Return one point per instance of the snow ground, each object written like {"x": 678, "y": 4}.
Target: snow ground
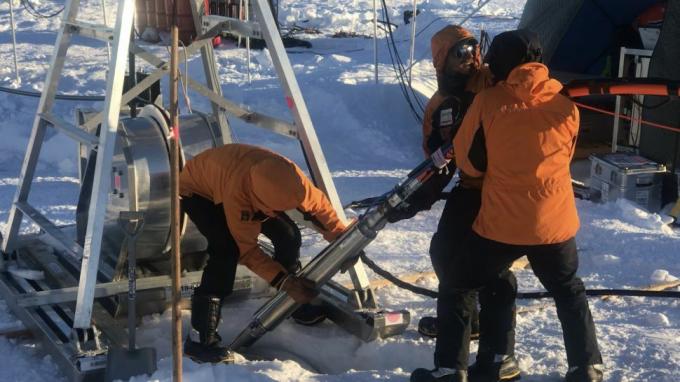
{"x": 370, "y": 140}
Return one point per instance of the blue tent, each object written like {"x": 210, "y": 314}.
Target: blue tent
{"x": 584, "y": 36}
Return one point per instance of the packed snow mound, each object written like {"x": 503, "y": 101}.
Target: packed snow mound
{"x": 26, "y": 362}
{"x": 635, "y": 215}
{"x": 662, "y": 276}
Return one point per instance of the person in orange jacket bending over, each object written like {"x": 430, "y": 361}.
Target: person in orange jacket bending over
{"x": 232, "y": 194}
{"x": 520, "y": 135}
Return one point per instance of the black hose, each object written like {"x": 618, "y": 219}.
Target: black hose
{"x": 607, "y": 292}
{"x": 521, "y": 295}
{"x": 395, "y": 280}
{"x": 409, "y": 94}
{"x": 30, "y": 8}
{"x": 64, "y": 97}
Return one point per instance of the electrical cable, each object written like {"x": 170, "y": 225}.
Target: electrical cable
{"x": 648, "y": 123}
{"x": 402, "y": 84}
{"x": 184, "y": 85}
{"x": 651, "y": 107}
{"x": 399, "y": 68}
{"x": 392, "y": 50}
{"x": 404, "y": 70}
{"x": 63, "y": 97}
{"x": 37, "y": 14}
{"x": 607, "y": 292}
{"x": 395, "y": 280}
{"x": 520, "y": 295}
{"x": 184, "y": 82}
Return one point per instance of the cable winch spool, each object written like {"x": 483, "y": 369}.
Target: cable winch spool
{"x": 140, "y": 182}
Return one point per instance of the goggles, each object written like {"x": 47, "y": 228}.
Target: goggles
{"x": 465, "y": 47}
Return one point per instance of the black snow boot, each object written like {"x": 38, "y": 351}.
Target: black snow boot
{"x": 309, "y": 315}
{"x": 590, "y": 373}
{"x": 439, "y": 375}
{"x": 205, "y": 317}
{"x": 494, "y": 368}
{"x": 427, "y": 326}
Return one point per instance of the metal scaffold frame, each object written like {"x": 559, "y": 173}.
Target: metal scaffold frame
{"x": 118, "y": 37}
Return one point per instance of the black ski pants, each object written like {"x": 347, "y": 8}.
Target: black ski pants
{"x": 449, "y": 248}
{"x": 555, "y": 265}
{"x": 223, "y": 253}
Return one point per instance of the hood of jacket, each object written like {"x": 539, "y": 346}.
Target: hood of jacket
{"x": 532, "y": 83}
{"x": 443, "y": 41}
{"x": 276, "y": 186}
{"x": 511, "y": 49}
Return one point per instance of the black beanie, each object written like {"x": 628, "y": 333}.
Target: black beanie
{"x": 511, "y": 49}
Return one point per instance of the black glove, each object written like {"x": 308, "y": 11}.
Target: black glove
{"x": 421, "y": 200}
{"x": 401, "y": 213}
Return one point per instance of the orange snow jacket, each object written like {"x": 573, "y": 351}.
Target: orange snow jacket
{"x": 521, "y": 135}
{"x": 479, "y": 81}
{"x": 250, "y": 181}
{"x": 436, "y": 104}
{"x": 441, "y": 44}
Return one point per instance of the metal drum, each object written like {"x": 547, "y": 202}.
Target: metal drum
{"x": 140, "y": 181}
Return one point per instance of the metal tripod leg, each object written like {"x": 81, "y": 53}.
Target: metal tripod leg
{"x": 38, "y": 132}
{"x": 210, "y": 69}
{"x": 102, "y": 179}
{"x": 310, "y": 143}
{"x": 211, "y": 77}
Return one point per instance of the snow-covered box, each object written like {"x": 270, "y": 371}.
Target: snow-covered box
{"x": 627, "y": 176}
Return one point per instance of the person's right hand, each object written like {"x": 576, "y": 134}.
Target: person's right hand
{"x": 401, "y": 213}
{"x": 300, "y": 289}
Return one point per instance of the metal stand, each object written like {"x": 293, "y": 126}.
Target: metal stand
{"x": 640, "y": 59}
{"x": 14, "y": 41}
{"x": 79, "y": 337}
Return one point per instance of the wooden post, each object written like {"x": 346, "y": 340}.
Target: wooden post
{"x": 174, "y": 188}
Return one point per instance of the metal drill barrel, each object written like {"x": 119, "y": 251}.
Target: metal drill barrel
{"x": 332, "y": 258}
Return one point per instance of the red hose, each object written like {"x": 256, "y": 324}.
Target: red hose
{"x": 624, "y": 86}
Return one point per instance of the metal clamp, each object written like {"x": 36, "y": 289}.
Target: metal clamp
{"x": 86, "y": 340}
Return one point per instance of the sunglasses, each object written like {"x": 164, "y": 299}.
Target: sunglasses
{"x": 465, "y": 47}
